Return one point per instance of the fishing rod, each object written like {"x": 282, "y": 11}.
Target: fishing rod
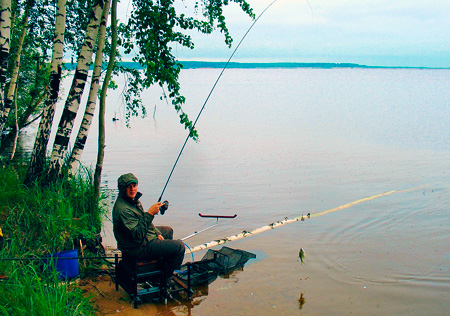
{"x": 166, "y": 204}
{"x": 285, "y": 221}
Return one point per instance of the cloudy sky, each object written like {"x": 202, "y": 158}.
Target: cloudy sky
{"x": 371, "y": 32}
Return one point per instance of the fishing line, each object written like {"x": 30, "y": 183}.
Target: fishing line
{"x": 274, "y": 225}
{"x": 209, "y": 95}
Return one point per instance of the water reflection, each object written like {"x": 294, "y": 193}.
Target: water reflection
{"x": 24, "y": 145}
{"x": 180, "y": 304}
{"x": 301, "y": 300}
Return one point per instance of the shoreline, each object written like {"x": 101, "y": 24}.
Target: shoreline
{"x": 270, "y": 65}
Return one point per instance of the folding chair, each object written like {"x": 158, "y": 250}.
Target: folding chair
{"x": 142, "y": 278}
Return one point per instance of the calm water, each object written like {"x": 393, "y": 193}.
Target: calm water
{"x": 278, "y": 143}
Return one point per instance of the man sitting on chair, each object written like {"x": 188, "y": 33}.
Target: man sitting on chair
{"x": 135, "y": 233}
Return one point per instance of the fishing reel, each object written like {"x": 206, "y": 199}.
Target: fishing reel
{"x": 163, "y": 208}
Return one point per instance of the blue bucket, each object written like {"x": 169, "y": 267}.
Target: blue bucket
{"x": 66, "y": 263}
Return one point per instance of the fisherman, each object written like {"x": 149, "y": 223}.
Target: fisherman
{"x": 134, "y": 231}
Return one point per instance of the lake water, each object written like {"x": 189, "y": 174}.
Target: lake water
{"x": 278, "y": 143}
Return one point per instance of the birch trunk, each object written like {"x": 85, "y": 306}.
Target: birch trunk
{"x": 9, "y": 100}
{"x": 15, "y": 72}
{"x": 101, "y": 115}
{"x": 92, "y": 99}
{"x": 73, "y": 100}
{"x": 45, "y": 125}
{"x": 5, "y": 39}
{"x": 16, "y": 128}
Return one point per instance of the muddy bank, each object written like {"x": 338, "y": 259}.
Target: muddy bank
{"x": 108, "y": 301}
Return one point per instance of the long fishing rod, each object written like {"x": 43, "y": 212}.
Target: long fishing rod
{"x": 301, "y": 218}
{"x": 209, "y": 95}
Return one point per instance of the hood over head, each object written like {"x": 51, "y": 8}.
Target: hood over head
{"x": 124, "y": 180}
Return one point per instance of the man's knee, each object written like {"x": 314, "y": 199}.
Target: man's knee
{"x": 166, "y": 231}
{"x": 182, "y": 247}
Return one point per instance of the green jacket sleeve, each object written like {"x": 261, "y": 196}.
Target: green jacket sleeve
{"x": 156, "y": 230}
{"x": 136, "y": 225}
{"x": 132, "y": 226}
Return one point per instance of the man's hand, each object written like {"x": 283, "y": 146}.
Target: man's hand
{"x": 154, "y": 209}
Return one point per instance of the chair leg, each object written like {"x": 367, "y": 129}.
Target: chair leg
{"x": 164, "y": 292}
{"x": 189, "y": 291}
{"x": 136, "y": 301}
{"x": 116, "y": 262}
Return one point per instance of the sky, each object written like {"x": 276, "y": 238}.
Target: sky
{"x": 406, "y": 33}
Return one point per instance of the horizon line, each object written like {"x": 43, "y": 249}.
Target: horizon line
{"x": 195, "y": 64}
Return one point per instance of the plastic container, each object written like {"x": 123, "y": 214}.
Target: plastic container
{"x": 66, "y": 263}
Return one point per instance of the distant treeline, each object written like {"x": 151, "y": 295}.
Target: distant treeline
{"x": 208, "y": 64}
{"x": 221, "y": 64}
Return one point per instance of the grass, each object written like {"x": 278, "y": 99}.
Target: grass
{"x": 28, "y": 291}
{"x": 37, "y": 221}
{"x": 43, "y": 220}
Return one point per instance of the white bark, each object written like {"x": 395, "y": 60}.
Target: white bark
{"x": 15, "y": 72}
{"x": 16, "y": 67}
{"x": 92, "y": 99}
{"x": 45, "y": 125}
{"x": 102, "y": 107}
{"x": 73, "y": 100}
{"x": 5, "y": 39}
{"x": 16, "y": 127}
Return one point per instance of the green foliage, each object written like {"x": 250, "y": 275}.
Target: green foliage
{"x": 41, "y": 26}
{"x": 28, "y": 291}
{"x": 150, "y": 32}
{"x": 32, "y": 82}
{"x": 37, "y": 49}
{"x": 40, "y": 220}
{"x": 77, "y": 19}
{"x": 35, "y": 222}
{"x": 33, "y": 74}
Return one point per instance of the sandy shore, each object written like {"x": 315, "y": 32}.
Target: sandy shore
{"x": 108, "y": 301}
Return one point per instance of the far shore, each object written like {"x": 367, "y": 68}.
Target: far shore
{"x": 274, "y": 65}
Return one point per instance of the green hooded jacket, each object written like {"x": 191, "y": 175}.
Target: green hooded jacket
{"x": 132, "y": 226}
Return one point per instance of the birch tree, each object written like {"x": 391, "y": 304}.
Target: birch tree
{"x": 152, "y": 30}
{"x": 101, "y": 112}
{"x": 16, "y": 128}
{"x": 32, "y": 79}
{"x": 16, "y": 64}
{"x": 43, "y": 134}
{"x": 92, "y": 99}
{"x": 12, "y": 90}
{"x": 73, "y": 100}
{"x": 5, "y": 39}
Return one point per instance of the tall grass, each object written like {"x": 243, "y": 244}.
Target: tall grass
{"x": 29, "y": 292}
{"x": 46, "y": 219}
{"x": 36, "y": 221}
